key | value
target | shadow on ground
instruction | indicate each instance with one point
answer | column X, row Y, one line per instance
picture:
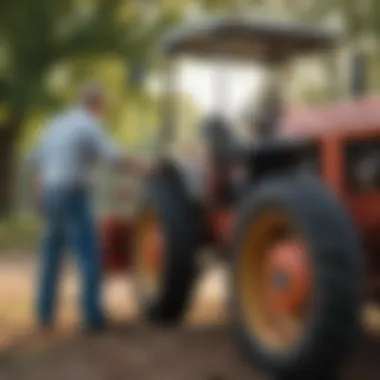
column 131, row 352
column 202, row 350
column 365, row 363
column 138, row 352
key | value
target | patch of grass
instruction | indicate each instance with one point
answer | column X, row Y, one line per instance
column 19, row 234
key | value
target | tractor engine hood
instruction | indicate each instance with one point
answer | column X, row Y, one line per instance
column 349, row 115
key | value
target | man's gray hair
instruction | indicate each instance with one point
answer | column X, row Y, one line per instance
column 92, row 91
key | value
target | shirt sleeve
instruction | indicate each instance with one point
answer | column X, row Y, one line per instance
column 103, row 145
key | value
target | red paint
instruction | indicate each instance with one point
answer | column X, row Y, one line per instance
column 287, row 277
column 351, row 115
column 115, row 235
column 222, row 223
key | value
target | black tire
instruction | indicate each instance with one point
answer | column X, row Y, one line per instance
column 337, row 265
column 180, row 223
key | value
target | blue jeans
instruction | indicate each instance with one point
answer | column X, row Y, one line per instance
column 69, row 221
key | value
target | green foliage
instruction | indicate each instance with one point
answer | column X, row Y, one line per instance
column 19, row 234
column 49, row 48
column 36, row 36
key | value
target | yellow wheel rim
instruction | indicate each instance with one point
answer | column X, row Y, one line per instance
column 149, row 251
column 274, row 280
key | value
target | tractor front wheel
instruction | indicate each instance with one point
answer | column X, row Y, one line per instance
column 164, row 252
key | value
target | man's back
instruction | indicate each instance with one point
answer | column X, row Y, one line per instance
column 68, row 148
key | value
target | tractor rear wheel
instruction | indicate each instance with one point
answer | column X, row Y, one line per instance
column 164, row 252
column 297, row 280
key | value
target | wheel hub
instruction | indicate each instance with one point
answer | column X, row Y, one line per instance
column 280, row 281
column 288, row 276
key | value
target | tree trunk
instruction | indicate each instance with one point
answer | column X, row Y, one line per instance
column 8, row 137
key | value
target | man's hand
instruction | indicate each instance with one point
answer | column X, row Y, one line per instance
column 134, row 165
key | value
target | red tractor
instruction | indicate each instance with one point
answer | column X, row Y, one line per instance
column 297, row 226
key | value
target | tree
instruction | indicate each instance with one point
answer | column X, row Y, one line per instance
column 37, row 35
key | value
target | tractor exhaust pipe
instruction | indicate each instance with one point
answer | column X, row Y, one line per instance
column 358, row 75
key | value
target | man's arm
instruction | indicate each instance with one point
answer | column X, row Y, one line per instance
column 134, row 165
column 111, row 153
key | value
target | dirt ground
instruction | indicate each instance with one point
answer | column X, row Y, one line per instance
column 203, row 349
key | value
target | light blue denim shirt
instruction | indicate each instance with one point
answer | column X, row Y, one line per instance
column 68, row 148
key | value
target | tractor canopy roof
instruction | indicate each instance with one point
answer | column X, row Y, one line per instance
column 247, row 38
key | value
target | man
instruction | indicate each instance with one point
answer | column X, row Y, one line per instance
column 224, row 153
column 264, row 121
column 62, row 162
